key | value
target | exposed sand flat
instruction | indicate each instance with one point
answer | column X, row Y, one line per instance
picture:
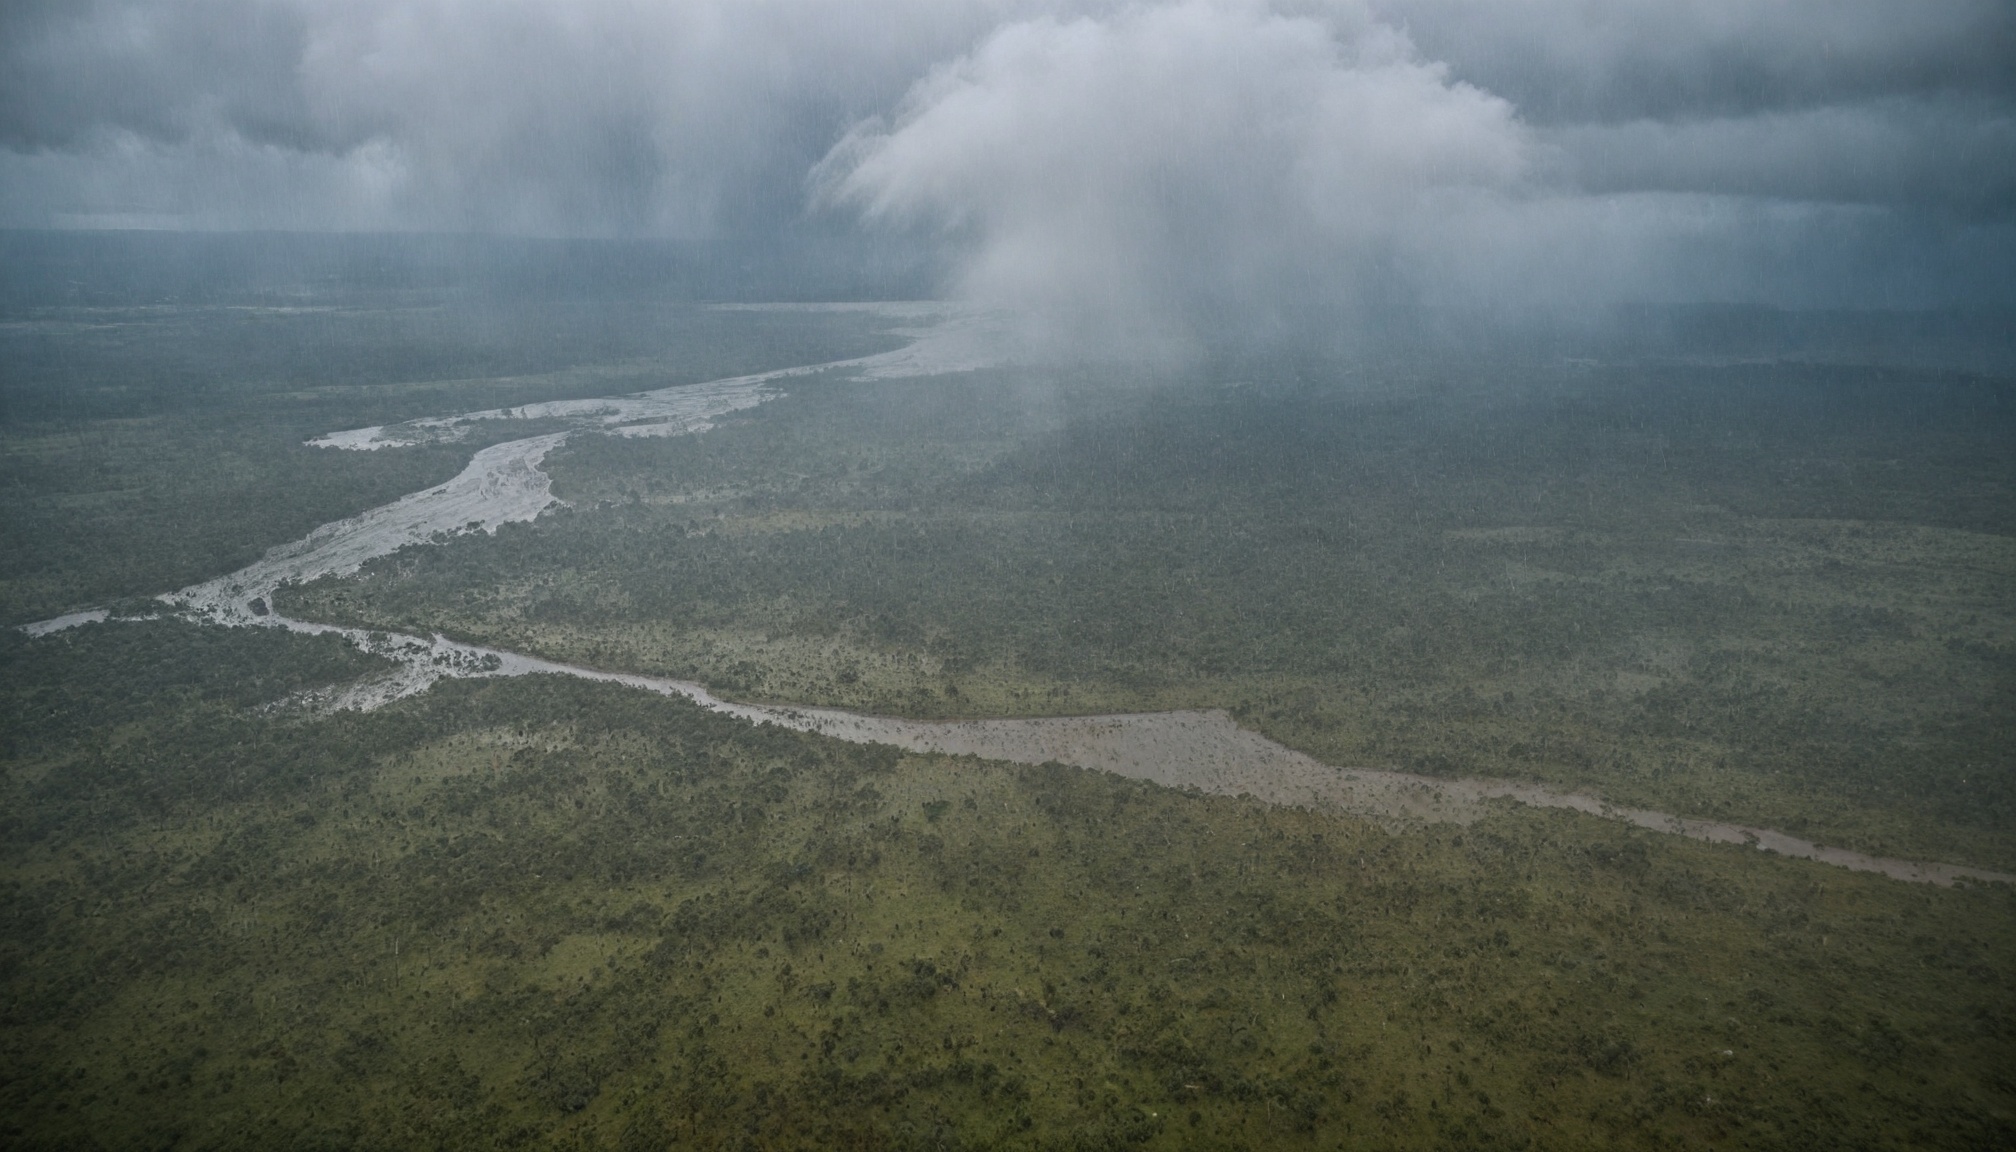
column 1207, row 751
column 1202, row 750
column 502, row 484
column 942, row 339
column 664, row 412
column 71, row 620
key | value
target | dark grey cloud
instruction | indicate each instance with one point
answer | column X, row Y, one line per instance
column 1608, row 61
column 72, row 71
column 1154, row 165
column 1828, row 101
column 1935, row 153
column 591, row 117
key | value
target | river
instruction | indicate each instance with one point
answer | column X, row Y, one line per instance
column 1204, row 750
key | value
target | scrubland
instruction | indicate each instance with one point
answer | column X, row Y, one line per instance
column 560, row 914
column 549, row 913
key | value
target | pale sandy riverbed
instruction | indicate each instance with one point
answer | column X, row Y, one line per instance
column 1203, row 750
column 1207, row 751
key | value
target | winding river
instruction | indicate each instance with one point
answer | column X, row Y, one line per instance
column 1204, row 751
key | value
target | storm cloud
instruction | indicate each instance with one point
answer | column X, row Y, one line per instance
column 1154, row 166
column 1182, row 161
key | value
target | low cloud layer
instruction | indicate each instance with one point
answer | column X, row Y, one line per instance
column 1155, row 167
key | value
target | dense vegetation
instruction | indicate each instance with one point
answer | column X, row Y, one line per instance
column 1775, row 593
column 540, row 913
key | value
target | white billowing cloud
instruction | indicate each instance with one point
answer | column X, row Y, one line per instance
column 1161, row 164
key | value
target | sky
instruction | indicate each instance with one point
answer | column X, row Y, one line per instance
column 1141, row 167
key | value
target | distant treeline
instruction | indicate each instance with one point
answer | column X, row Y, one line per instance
column 50, row 269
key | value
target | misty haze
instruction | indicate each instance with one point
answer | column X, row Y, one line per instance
column 1051, row 574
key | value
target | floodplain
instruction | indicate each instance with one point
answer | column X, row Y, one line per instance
column 543, row 912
